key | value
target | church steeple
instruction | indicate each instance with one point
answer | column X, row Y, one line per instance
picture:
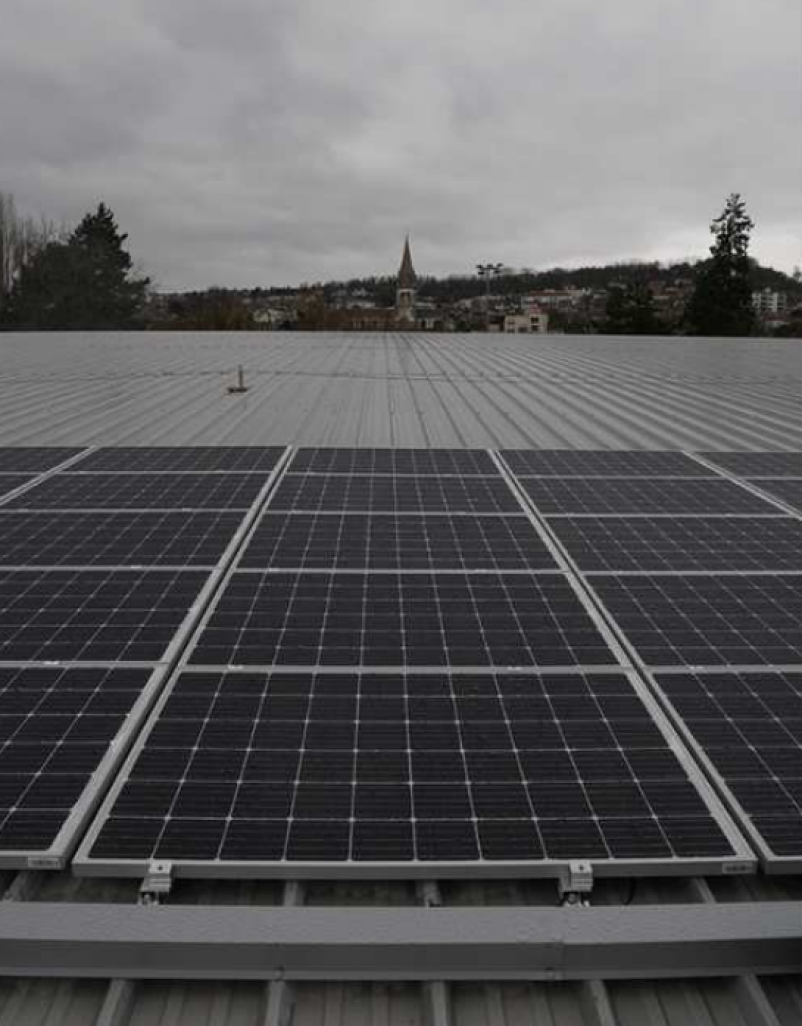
column 406, row 275
column 405, row 293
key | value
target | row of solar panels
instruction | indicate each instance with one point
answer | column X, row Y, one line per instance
column 437, row 462
column 389, row 688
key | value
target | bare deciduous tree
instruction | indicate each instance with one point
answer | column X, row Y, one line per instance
column 20, row 239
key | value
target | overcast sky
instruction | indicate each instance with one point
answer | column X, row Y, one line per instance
column 250, row 142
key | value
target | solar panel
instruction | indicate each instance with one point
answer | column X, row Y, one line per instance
column 355, row 541
column 33, row 459
column 114, row 539
column 758, row 464
column 704, row 620
column 788, row 490
column 143, row 491
column 749, row 725
column 393, row 494
column 91, row 615
column 183, row 458
column 435, row 462
column 57, row 725
column 640, row 495
column 246, row 768
column 681, row 543
column 10, row 482
column 391, row 619
column 602, row 463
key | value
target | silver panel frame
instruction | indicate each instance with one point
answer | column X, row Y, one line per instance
column 36, row 479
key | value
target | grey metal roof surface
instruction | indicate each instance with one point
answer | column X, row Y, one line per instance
column 402, row 390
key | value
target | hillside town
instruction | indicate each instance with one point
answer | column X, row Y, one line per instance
column 497, row 302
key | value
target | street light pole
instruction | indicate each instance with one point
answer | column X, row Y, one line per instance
column 488, row 272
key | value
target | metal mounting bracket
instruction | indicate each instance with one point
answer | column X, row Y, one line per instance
column 576, row 883
column 157, row 884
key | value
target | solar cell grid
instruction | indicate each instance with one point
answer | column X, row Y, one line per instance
column 183, row 459
column 391, row 619
column 293, row 768
column 386, row 542
column 435, row 462
column 393, row 494
column 750, row 727
column 56, row 725
column 640, row 495
column 787, row 490
column 758, row 464
column 681, row 543
column 10, row 482
column 114, row 539
column 92, row 615
column 704, row 620
column 602, row 463
column 143, row 491
column 33, row 459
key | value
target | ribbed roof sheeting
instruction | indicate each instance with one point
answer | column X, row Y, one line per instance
column 26, row 1002
column 401, row 390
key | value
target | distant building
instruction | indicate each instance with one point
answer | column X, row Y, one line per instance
column 770, row 305
column 407, row 290
column 557, row 299
column 531, row 322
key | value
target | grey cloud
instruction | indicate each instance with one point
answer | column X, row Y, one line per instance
column 263, row 141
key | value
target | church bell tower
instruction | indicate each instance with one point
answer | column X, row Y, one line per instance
column 406, row 291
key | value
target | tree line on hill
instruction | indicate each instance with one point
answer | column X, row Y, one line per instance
column 53, row 279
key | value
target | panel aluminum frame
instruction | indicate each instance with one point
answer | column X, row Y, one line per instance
column 36, row 479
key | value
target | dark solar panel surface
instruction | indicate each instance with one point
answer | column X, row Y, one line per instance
column 681, row 543
column 434, row 462
column 183, row 458
column 750, row 727
column 92, row 615
column 603, row 463
column 739, row 620
column 115, row 539
column 788, row 490
column 640, row 495
column 400, row 620
column 394, row 494
column 56, row 726
column 10, row 482
column 759, row 464
column 387, row 542
column 143, row 491
column 251, row 767
column 32, row 459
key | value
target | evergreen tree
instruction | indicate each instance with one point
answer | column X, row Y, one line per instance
column 721, row 303
column 631, row 311
column 46, row 292
column 85, row 283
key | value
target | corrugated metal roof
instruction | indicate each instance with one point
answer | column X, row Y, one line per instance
column 402, row 390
